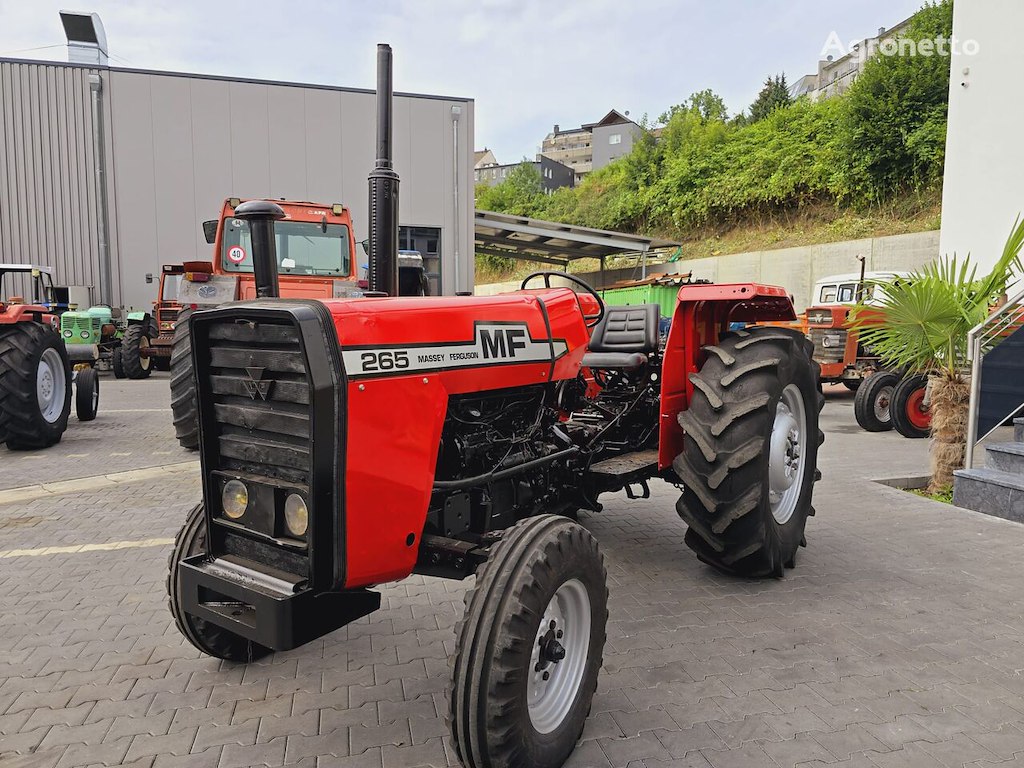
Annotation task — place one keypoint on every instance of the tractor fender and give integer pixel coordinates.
(134, 318)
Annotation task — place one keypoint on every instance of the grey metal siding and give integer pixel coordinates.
(177, 145)
(48, 201)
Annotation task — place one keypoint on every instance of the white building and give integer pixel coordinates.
(983, 191)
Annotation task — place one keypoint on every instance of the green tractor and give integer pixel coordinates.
(107, 338)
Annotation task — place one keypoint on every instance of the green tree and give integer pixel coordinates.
(774, 94)
(893, 130)
(921, 325)
(521, 193)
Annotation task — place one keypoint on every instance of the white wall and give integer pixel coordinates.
(983, 190)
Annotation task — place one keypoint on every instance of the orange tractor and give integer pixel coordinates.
(316, 259)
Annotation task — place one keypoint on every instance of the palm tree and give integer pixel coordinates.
(920, 325)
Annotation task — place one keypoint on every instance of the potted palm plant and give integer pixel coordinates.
(921, 324)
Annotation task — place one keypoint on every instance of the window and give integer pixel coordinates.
(847, 292)
(615, 138)
(427, 242)
(828, 294)
(303, 248)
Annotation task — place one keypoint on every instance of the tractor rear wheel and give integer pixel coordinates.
(183, 388)
(87, 394)
(872, 406)
(135, 352)
(529, 647)
(35, 386)
(910, 417)
(208, 638)
(750, 451)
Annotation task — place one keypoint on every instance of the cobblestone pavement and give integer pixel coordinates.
(895, 642)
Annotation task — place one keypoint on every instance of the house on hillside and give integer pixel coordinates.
(592, 145)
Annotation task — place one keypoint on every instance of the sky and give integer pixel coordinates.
(528, 64)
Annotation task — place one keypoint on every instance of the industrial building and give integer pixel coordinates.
(106, 173)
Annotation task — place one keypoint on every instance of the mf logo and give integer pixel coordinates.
(502, 342)
(255, 385)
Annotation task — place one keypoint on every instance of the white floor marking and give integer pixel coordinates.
(78, 548)
(77, 485)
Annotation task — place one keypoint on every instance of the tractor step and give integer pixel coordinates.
(627, 469)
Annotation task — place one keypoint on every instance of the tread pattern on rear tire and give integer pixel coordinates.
(22, 426)
(864, 403)
(131, 359)
(486, 700)
(723, 466)
(208, 638)
(183, 388)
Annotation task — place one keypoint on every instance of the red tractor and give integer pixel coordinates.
(351, 442)
(35, 375)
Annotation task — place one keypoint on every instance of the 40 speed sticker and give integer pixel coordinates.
(493, 344)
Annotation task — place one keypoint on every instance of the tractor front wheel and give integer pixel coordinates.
(35, 386)
(529, 647)
(117, 363)
(208, 638)
(183, 388)
(910, 416)
(87, 394)
(135, 357)
(873, 405)
(750, 451)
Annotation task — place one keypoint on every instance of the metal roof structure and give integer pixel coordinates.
(549, 242)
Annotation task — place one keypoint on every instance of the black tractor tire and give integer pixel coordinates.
(87, 394)
(872, 406)
(183, 386)
(137, 364)
(502, 712)
(752, 382)
(908, 418)
(117, 363)
(161, 363)
(25, 422)
(853, 384)
(208, 638)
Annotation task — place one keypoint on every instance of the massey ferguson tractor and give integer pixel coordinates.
(350, 442)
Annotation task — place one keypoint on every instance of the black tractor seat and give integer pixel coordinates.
(625, 338)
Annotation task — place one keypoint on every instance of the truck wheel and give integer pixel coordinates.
(871, 407)
(529, 647)
(183, 386)
(750, 451)
(35, 386)
(208, 638)
(87, 394)
(117, 363)
(910, 417)
(135, 353)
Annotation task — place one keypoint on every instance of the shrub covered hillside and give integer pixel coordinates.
(876, 150)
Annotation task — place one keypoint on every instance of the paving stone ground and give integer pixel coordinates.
(896, 641)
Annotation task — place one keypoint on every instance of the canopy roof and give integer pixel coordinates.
(549, 242)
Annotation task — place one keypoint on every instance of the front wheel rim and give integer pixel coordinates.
(787, 451)
(559, 658)
(144, 353)
(883, 400)
(51, 385)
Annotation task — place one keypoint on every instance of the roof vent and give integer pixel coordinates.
(87, 41)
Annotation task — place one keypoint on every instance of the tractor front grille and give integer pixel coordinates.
(829, 344)
(260, 399)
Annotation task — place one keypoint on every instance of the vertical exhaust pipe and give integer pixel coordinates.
(383, 235)
(261, 215)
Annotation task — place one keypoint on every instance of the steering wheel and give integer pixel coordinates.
(589, 320)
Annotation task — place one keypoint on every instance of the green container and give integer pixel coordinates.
(662, 295)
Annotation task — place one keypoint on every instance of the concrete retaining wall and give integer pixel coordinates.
(797, 269)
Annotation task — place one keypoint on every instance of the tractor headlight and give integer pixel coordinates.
(296, 516)
(68, 334)
(84, 334)
(234, 499)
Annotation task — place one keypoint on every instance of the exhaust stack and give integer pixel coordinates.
(383, 234)
(261, 215)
